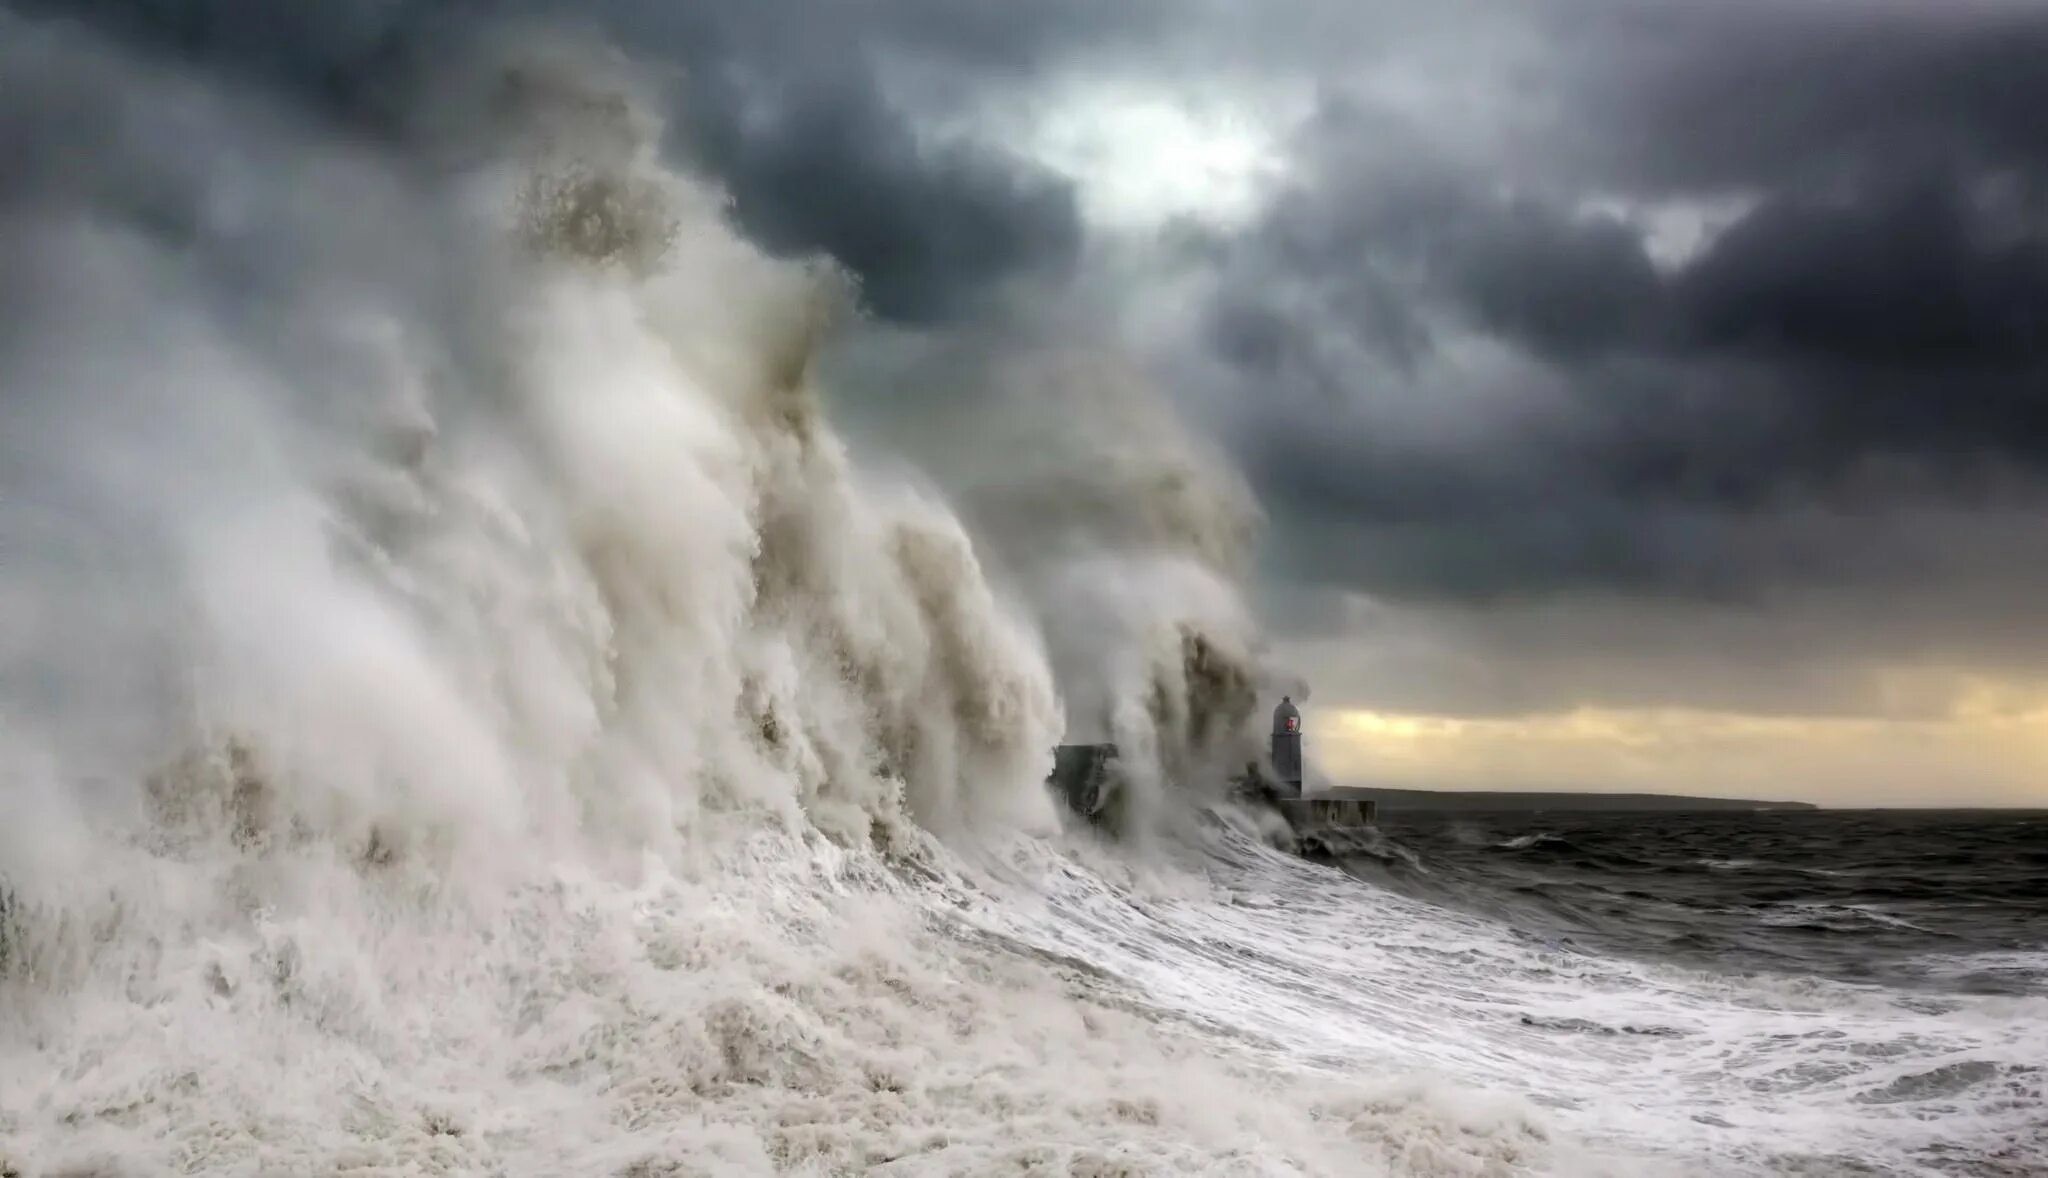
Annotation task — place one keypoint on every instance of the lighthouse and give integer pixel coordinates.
(1313, 825)
(1287, 746)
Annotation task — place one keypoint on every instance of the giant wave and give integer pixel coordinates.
(466, 712)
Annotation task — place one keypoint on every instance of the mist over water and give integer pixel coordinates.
(464, 710)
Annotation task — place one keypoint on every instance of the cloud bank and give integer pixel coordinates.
(1578, 353)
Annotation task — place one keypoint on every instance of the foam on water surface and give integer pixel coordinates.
(1714, 1072)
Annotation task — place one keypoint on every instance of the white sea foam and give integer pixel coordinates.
(1715, 1073)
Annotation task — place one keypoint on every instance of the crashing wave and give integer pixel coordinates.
(470, 706)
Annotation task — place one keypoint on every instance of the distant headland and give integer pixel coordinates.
(1399, 801)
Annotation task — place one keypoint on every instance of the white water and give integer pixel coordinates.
(466, 713)
(1699, 1071)
(465, 710)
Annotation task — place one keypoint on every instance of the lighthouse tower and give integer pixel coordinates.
(1287, 746)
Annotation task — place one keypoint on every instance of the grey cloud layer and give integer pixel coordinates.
(1868, 337)
(808, 113)
(1456, 355)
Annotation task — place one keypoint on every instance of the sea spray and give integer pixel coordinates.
(1129, 537)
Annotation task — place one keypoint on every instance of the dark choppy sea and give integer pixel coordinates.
(1820, 994)
(1932, 902)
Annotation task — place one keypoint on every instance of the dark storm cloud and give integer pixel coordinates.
(1464, 353)
(823, 163)
(1914, 277)
(808, 113)
(1869, 337)
(1691, 97)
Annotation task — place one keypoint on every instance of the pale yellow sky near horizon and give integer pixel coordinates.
(1989, 750)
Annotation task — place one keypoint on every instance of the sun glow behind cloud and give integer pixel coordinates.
(1989, 748)
(1142, 156)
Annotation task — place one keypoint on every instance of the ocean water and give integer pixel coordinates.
(1665, 987)
(1064, 1004)
(1943, 902)
(464, 710)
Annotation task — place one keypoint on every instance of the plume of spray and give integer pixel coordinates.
(370, 511)
(1131, 537)
(603, 441)
(460, 700)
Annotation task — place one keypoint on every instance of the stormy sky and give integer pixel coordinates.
(1638, 393)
